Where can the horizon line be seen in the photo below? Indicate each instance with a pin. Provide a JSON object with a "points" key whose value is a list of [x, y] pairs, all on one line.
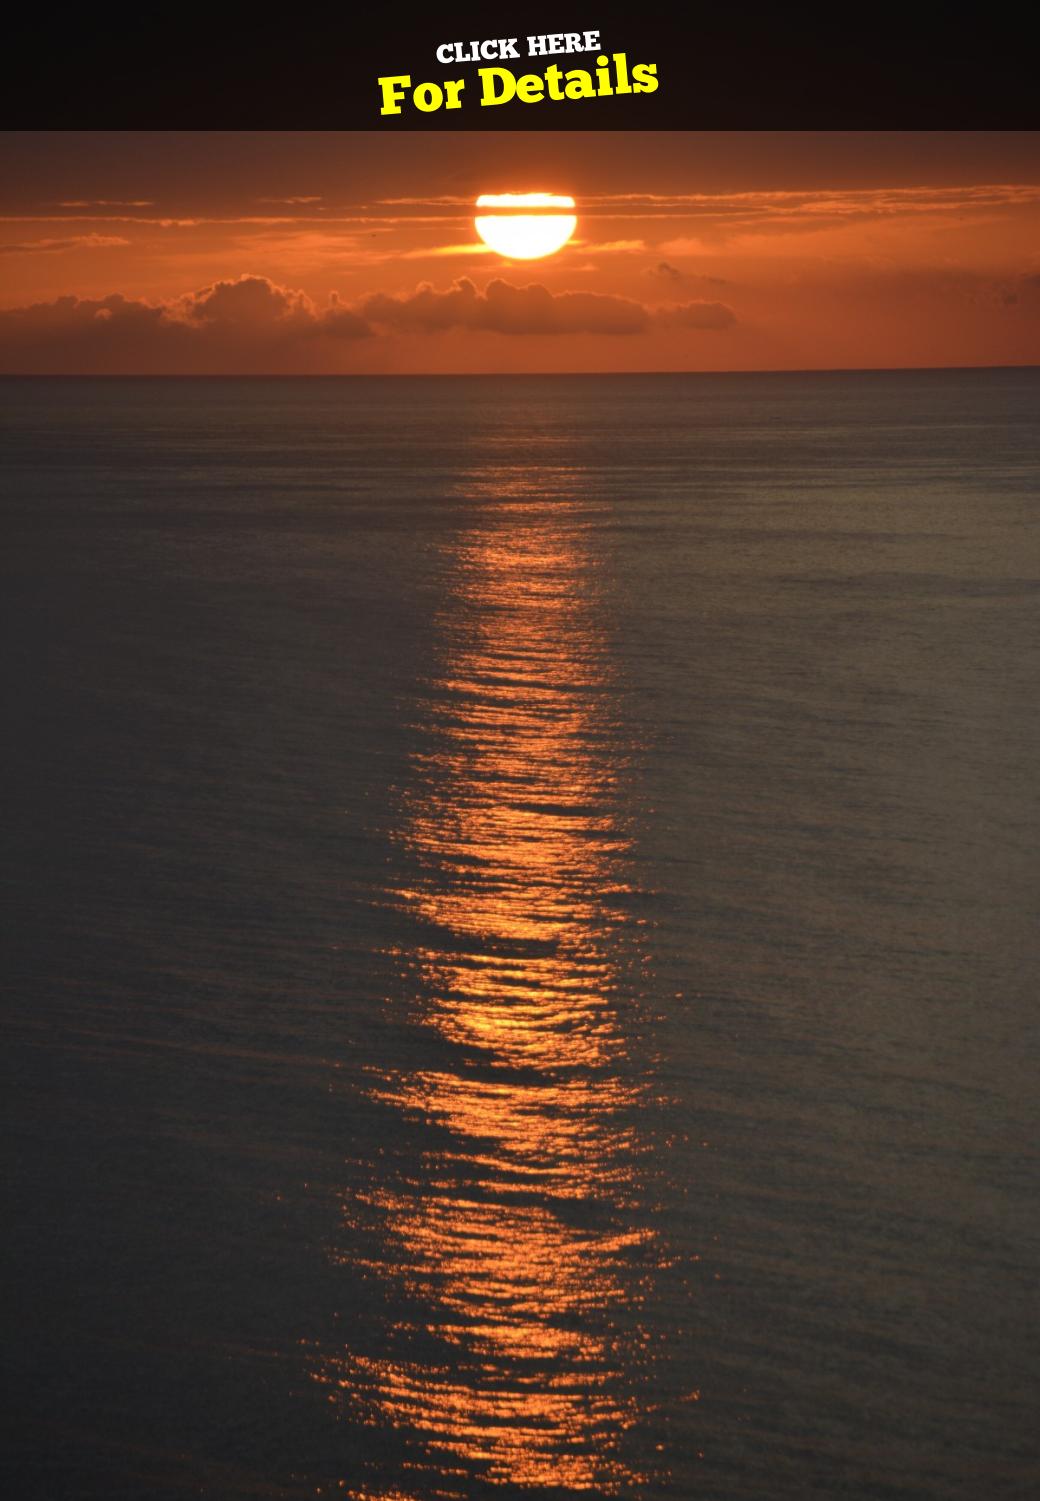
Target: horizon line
{"points": [[496, 374]]}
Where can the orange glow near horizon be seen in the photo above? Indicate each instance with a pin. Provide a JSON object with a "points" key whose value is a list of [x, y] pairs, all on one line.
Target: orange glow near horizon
{"points": [[356, 253]]}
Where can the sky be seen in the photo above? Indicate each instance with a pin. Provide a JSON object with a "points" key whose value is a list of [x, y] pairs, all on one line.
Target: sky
{"points": [[355, 252]]}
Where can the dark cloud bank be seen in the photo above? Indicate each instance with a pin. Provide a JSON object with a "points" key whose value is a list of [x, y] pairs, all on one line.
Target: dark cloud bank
{"points": [[251, 324]]}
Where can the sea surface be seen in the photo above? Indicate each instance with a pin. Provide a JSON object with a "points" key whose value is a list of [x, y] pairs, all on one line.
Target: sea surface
{"points": [[521, 937]]}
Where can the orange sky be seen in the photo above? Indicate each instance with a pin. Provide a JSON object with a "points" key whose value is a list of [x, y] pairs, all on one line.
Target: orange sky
{"points": [[308, 252]]}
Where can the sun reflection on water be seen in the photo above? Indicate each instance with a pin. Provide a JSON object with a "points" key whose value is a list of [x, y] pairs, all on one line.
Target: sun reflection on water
{"points": [[523, 1239]]}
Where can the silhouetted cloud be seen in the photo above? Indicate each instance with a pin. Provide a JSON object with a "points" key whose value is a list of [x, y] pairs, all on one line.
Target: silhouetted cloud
{"points": [[506, 309], [665, 271], [245, 324], [249, 323], [249, 302], [704, 315]]}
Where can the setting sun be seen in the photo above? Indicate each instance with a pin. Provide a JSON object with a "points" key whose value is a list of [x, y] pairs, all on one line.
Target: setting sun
{"points": [[513, 230]]}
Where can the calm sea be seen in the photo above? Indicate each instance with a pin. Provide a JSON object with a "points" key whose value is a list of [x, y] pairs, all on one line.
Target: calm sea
{"points": [[520, 923]]}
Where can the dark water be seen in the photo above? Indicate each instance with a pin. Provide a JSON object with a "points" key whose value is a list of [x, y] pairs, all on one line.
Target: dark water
{"points": [[520, 908]]}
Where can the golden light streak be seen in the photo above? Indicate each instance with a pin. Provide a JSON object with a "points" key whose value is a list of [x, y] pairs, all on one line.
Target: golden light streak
{"points": [[518, 1239]]}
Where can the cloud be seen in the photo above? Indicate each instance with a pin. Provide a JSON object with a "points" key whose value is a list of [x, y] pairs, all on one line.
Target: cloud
{"points": [[253, 309], [782, 211], [1022, 290], [506, 309], [242, 325], [611, 247], [425, 253], [106, 203], [251, 324], [665, 271], [250, 302], [702, 315], [76, 242], [914, 195]]}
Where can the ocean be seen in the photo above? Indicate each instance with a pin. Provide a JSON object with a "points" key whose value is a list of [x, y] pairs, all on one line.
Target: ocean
{"points": [[521, 938]]}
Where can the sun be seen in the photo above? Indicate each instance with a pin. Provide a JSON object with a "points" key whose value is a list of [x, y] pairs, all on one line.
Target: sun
{"points": [[525, 226]]}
